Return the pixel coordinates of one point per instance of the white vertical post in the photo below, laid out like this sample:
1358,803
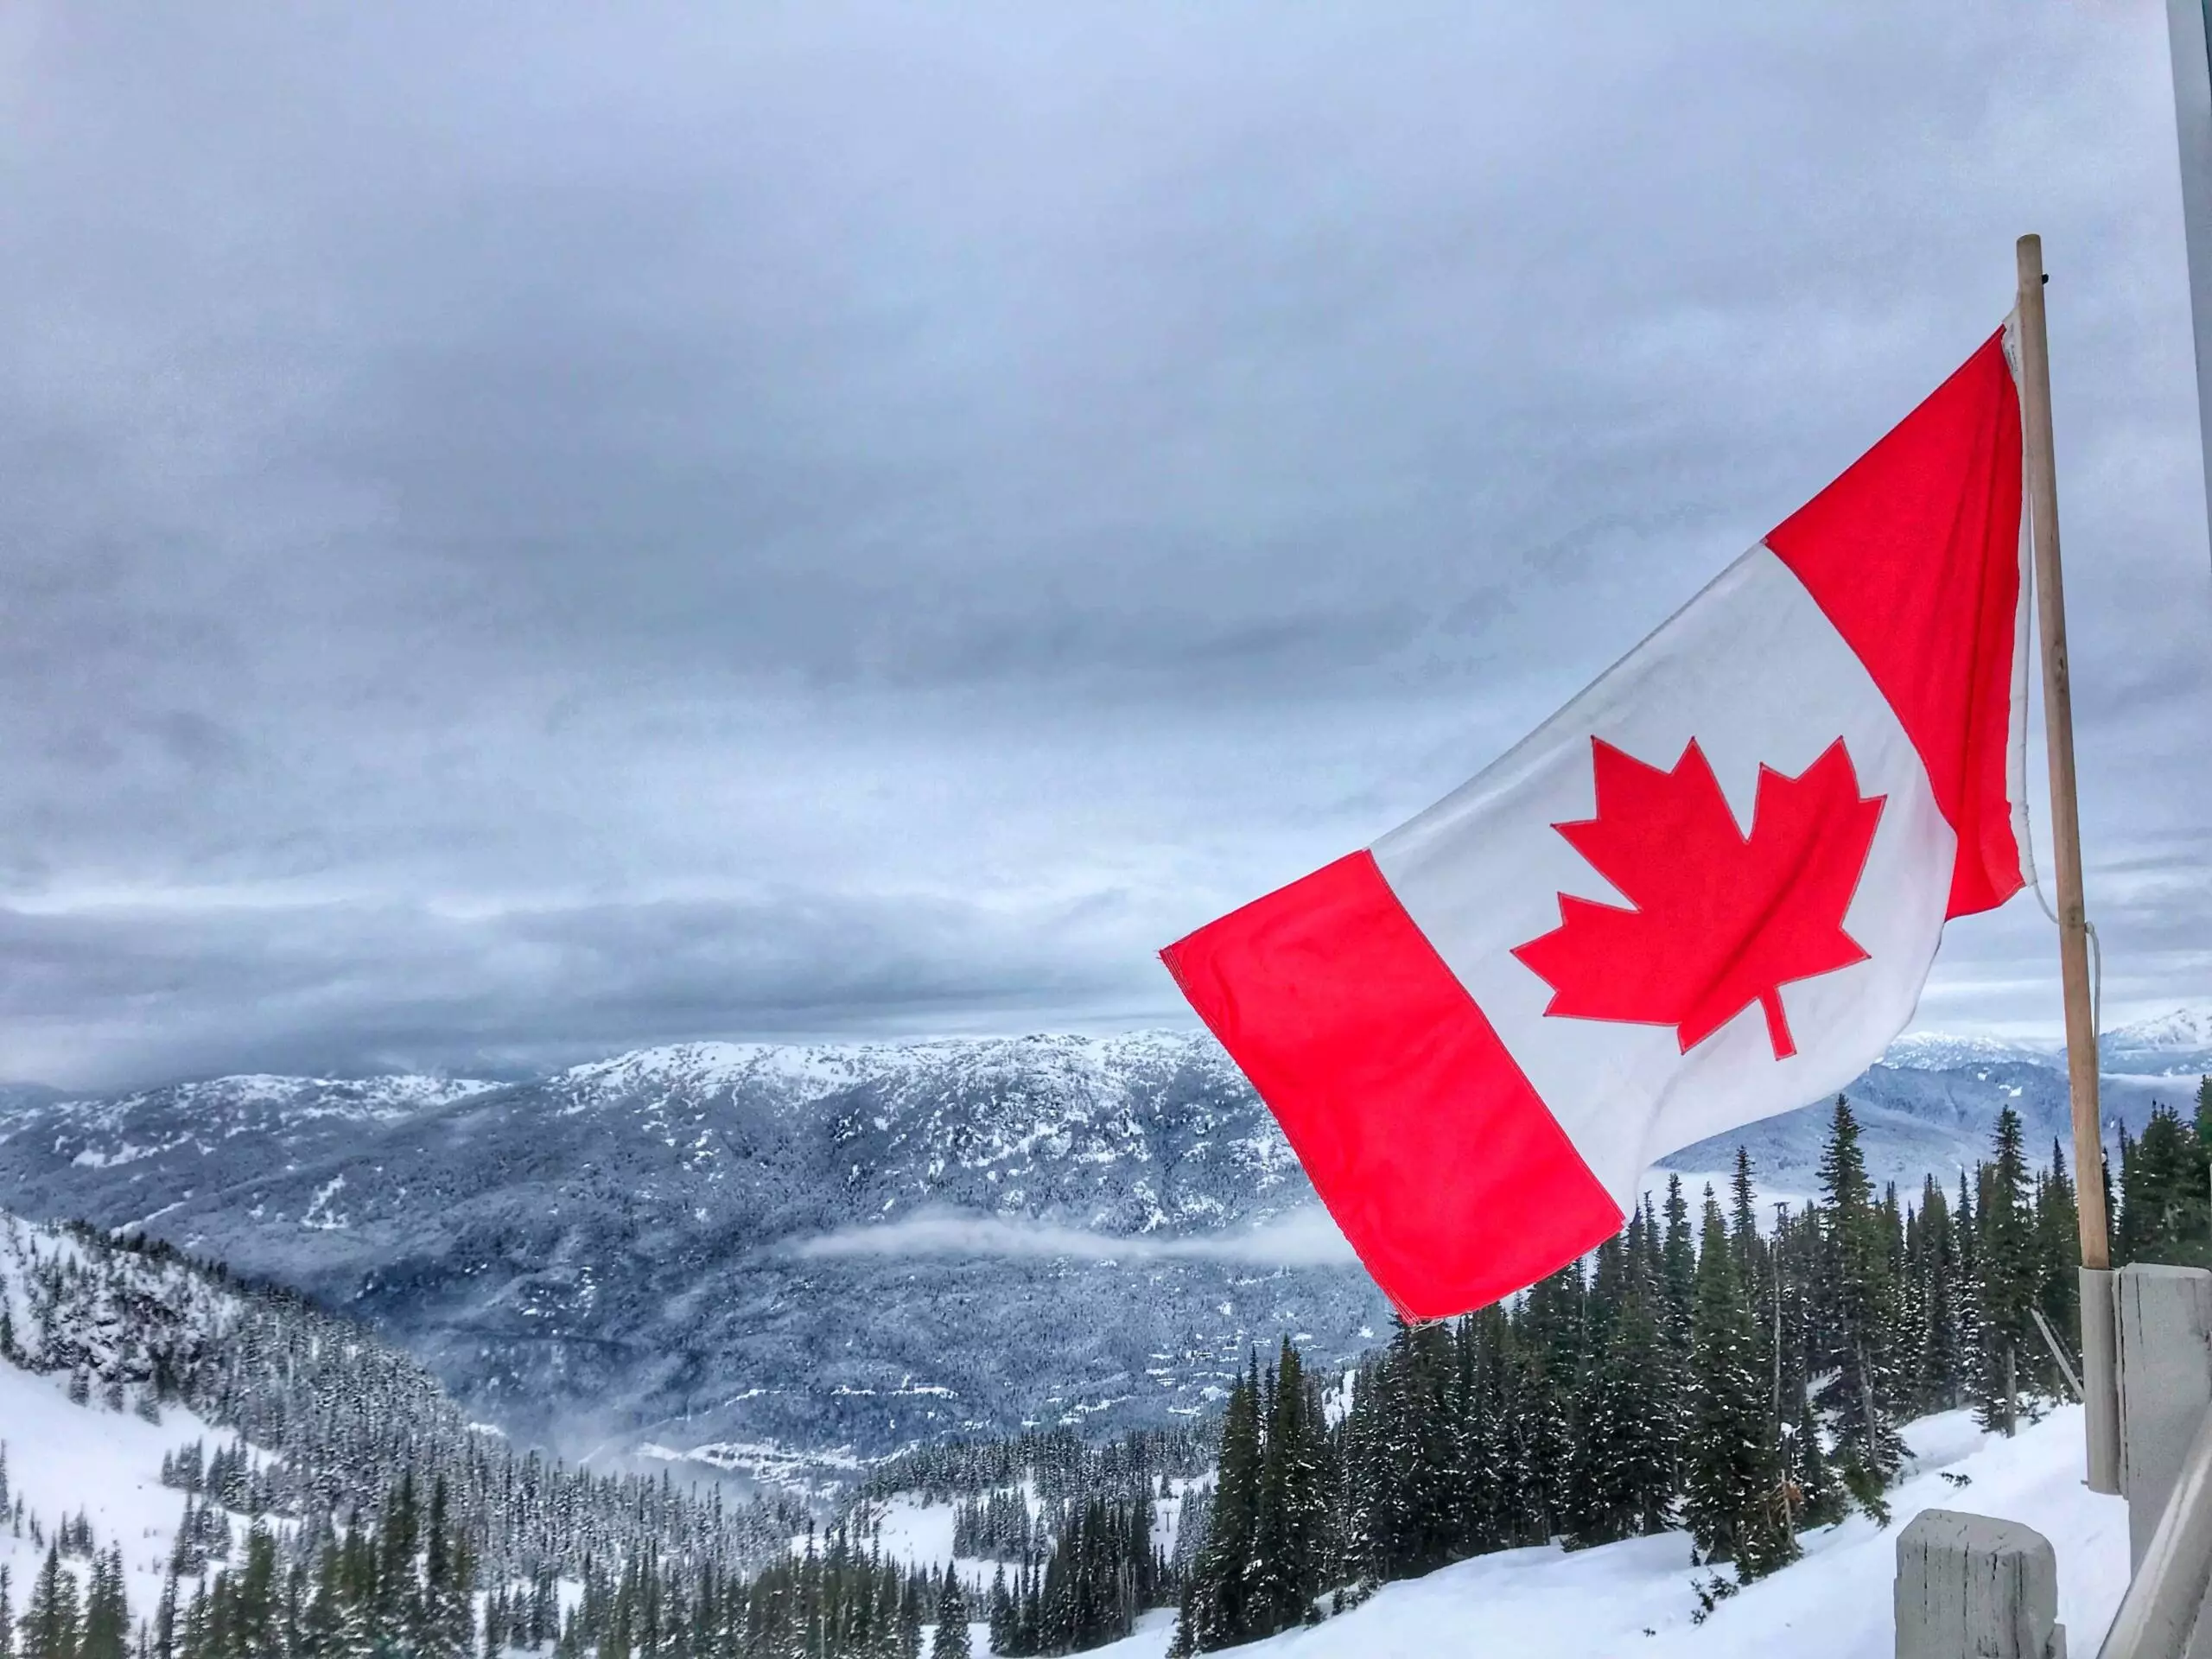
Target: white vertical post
2192,61
1970,1587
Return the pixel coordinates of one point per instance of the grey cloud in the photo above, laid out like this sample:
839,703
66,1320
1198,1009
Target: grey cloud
133,995
989,464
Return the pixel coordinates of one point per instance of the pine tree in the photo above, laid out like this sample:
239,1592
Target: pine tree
107,1614
1735,1503
910,1621
51,1627
1289,1534
1743,1217
1553,1339
2163,1200
2010,1276
1627,1422
397,1603
1419,1477
1815,1497
1678,1271
1215,1614
252,1605
951,1641
1857,1253
2058,1253
1002,1617
1942,1366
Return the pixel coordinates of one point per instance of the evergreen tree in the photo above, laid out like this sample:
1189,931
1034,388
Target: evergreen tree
1940,1368
1816,1498
51,1627
1627,1427
1213,1613
1860,1326
1743,1217
951,1641
2009,1276
1678,1269
2058,1253
1004,1628
1553,1348
1735,1505
107,1615
1290,1525
2165,1207
447,1625
253,1608
910,1622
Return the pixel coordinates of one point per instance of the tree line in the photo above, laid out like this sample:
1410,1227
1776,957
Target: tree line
404,1583
340,1415
1739,1375
2167,1175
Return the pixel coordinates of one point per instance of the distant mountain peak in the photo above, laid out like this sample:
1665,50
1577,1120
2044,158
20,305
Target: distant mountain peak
2179,1040
1937,1051
2184,1030
830,1066
391,1092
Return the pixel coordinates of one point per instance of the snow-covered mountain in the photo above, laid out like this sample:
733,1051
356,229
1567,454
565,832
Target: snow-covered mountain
2175,1044
834,1249
772,1254
1936,1051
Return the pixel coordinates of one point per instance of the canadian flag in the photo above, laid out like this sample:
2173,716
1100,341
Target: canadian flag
1707,890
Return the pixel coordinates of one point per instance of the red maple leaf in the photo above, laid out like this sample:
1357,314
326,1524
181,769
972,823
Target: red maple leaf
1718,919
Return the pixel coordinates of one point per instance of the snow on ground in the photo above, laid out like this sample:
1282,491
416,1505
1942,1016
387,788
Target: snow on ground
63,1459
1636,1598
920,1535
912,1530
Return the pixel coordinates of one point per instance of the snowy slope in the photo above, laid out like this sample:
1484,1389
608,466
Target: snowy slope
157,1348
1636,1598
65,1458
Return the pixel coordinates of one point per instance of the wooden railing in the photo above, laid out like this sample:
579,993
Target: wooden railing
1971,1587
2158,1617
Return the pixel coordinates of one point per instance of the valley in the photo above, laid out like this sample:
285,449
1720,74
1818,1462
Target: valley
778,1263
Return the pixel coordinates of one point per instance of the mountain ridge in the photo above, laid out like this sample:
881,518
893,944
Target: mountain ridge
838,1249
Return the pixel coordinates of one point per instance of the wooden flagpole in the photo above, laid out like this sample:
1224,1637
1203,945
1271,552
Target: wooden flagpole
2100,1384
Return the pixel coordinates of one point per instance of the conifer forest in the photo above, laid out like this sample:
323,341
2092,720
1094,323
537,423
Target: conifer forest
1736,1371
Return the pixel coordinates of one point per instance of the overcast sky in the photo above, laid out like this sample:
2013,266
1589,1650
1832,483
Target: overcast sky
532,530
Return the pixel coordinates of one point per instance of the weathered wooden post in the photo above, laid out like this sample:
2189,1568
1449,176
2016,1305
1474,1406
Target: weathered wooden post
1969,1587
2099,1391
